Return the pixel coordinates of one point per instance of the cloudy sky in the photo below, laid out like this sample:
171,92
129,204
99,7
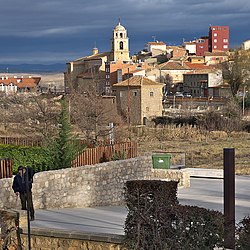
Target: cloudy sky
51,31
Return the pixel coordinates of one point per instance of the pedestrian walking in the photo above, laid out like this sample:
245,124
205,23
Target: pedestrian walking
22,186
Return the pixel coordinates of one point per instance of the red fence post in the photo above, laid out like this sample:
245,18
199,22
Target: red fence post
5,168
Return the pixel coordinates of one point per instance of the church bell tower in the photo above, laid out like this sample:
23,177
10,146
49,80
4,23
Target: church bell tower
120,44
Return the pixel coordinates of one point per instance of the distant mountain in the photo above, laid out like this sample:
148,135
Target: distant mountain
32,68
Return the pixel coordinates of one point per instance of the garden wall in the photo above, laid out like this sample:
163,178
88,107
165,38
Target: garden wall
96,185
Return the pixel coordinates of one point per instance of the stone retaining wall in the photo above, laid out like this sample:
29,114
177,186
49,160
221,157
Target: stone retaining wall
62,240
183,177
95,185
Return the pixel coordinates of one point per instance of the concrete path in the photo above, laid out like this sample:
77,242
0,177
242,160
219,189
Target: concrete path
108,220
206,193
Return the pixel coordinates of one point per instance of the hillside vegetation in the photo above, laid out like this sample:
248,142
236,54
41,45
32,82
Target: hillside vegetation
203,149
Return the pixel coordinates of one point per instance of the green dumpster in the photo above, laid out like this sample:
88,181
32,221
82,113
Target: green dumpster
161,161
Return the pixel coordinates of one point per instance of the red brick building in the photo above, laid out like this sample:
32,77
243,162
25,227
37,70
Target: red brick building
218,38
201,45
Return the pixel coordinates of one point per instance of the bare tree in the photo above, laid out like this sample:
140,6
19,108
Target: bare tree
92,113
29,115
237,71
168,82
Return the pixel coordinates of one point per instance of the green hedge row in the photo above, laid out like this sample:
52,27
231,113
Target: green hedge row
156,221
36,157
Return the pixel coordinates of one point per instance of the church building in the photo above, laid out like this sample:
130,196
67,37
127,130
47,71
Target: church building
120,44
90,70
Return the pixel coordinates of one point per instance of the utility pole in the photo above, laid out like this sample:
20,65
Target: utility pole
129,106
229,198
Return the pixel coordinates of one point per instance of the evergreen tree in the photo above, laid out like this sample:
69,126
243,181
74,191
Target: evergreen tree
65,146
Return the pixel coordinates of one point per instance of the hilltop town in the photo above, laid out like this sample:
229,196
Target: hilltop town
194,74
112,118
161,84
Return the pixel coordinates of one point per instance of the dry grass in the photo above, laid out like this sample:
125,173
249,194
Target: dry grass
203,149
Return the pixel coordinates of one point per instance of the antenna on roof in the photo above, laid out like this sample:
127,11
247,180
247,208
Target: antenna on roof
119,20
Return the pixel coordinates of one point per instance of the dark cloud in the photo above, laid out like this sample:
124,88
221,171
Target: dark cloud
60,30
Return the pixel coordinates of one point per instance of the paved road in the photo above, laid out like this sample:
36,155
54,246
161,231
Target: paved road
206,193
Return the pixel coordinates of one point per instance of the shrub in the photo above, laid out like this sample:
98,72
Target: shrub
37,157
156,221
243,234
146,201
197,228
118,155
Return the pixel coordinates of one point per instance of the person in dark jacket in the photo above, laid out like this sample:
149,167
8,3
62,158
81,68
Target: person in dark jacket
20,189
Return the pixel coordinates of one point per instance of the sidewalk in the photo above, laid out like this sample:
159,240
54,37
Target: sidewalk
205,173
203,192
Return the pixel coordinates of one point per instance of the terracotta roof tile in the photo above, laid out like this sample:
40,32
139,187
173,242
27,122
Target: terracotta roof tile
21,82
170,65
198,66
137,81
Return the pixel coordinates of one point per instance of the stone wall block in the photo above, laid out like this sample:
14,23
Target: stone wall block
96,185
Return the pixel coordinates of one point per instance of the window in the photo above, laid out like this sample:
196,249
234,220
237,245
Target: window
225,46
121,35
134,93
121,45
215,47
121,94
215,34
215,40
151,93
225,40
116,34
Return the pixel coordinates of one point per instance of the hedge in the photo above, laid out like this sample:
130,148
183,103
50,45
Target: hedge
36,157
156,221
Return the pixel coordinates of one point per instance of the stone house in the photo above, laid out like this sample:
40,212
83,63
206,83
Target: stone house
176,52
174,69
117,71
138,99
203,83
213,58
